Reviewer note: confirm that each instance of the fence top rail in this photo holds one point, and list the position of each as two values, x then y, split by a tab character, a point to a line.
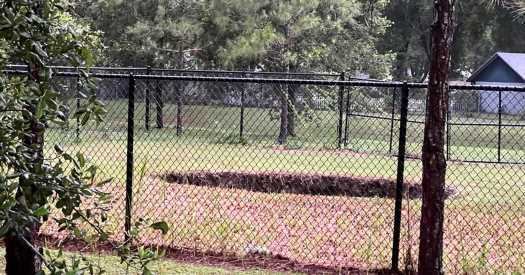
149	70
345	83
366	83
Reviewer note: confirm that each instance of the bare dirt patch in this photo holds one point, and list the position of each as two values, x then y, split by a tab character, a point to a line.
277	230
308	184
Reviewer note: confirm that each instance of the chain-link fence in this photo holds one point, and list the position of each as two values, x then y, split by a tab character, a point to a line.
304	169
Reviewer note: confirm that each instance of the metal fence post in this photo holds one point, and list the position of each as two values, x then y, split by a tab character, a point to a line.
400	176
147	95
129	156
159	105
499	125
241	122
341	112
392	120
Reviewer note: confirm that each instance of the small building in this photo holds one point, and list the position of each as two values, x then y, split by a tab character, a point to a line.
501	69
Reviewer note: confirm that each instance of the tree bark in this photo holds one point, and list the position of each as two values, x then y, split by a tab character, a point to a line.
291	110
20	258
285	118
159	103
283	129
179	93
434	162
179	109
400	71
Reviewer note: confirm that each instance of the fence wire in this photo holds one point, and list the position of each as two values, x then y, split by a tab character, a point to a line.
282	168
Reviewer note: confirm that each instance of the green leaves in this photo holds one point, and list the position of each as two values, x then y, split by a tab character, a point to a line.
7	203
140	256
4	229
37	46
162	226
81	159
41	106
90	109
59	149
40	212
39	33
87	56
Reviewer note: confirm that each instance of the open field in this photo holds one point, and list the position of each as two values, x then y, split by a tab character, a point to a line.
484	220
474	139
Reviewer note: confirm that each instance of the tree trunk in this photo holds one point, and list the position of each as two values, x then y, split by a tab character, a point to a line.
179	110
400	71
283	129
159	106
434	163
286	118
20	258
179	92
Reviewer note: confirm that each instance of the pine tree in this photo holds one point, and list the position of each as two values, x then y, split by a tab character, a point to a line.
299	35
433	158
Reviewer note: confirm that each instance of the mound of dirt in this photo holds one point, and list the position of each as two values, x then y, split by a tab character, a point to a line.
308	184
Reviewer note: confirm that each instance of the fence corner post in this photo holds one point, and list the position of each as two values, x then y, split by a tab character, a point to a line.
400	176
129	156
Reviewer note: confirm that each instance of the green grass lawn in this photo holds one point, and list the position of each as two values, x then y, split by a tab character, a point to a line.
484	220
112	265
319	130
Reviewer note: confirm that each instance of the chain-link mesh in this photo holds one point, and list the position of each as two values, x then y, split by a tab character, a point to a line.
484	217
274	167
257	168
103	144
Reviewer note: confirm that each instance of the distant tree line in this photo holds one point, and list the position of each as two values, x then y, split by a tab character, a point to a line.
379	38
382	38
268	35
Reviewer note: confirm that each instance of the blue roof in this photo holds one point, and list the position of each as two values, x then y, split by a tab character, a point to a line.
516	61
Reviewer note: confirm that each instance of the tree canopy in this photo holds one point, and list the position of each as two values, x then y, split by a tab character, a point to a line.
320	35
382	38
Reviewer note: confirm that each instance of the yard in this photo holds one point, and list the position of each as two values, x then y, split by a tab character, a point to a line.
484	217
264	137
112	265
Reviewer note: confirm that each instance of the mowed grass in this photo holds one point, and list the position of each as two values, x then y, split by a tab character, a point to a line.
319	129
112	265
484	219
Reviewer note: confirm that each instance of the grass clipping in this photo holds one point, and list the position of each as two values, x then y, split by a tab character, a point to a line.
307	184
